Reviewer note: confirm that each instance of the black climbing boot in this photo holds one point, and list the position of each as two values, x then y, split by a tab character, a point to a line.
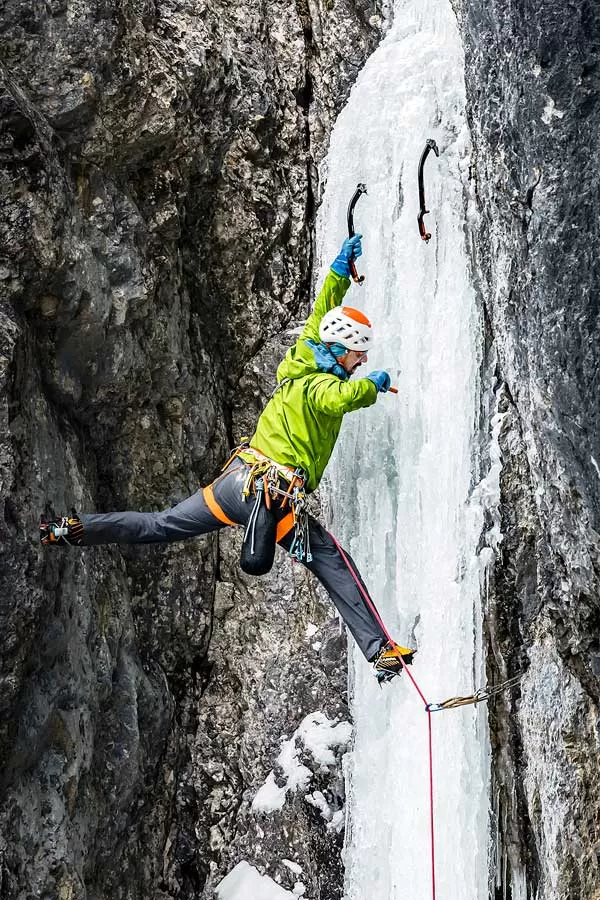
388	662
66	531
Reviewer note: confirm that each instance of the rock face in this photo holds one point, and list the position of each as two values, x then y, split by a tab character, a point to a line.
533	84
159	176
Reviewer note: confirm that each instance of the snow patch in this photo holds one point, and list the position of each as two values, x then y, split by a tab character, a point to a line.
320	736
292	866
335	818
244	882
318	800
551	112
338	821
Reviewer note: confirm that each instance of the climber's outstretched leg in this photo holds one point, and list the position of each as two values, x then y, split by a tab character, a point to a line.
211	508
339	577
337	571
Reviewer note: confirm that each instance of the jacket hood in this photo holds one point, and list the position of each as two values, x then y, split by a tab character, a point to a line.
300	360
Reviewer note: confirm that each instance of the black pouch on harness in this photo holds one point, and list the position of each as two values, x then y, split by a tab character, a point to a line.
260	537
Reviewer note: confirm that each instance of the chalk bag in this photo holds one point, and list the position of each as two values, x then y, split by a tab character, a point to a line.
260	536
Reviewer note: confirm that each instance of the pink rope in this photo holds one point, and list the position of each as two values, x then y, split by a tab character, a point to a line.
373	609
368	600
431	817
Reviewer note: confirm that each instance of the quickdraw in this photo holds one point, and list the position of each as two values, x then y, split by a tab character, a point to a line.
479	696
300	546
360	189
430	145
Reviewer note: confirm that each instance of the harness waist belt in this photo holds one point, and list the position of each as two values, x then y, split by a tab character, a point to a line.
285	471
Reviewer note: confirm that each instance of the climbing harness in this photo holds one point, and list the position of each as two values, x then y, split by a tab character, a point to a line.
269	481
429	145
360	189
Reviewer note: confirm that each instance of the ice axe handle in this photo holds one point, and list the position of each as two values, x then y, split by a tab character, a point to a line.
356	278
393	390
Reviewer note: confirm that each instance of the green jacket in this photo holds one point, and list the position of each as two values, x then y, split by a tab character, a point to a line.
301	422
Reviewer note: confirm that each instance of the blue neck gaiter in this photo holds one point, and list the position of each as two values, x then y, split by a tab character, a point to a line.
325	358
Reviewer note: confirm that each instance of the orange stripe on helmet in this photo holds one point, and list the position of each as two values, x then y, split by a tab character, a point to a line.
356	315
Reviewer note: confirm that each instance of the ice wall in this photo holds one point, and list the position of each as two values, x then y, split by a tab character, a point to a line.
402	487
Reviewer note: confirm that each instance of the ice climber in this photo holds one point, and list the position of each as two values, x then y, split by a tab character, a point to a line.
264	484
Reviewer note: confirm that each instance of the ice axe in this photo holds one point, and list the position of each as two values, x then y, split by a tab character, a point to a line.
360	189
358	279
429	145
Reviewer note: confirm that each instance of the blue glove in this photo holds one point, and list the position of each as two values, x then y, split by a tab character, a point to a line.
326	361
380	379
351	249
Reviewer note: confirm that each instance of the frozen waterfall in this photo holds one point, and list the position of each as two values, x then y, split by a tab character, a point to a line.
401	485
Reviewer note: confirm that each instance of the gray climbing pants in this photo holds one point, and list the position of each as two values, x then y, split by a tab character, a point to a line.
221	504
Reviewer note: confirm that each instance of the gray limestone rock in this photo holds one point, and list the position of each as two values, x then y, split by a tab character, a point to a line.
534	106
158	169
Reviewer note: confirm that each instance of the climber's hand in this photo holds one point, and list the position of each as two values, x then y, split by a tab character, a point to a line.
351	249
381	380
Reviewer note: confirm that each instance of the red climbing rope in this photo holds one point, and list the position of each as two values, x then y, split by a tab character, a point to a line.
361	587
373	609
431	822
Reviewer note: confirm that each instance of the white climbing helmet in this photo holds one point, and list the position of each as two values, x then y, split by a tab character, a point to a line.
347	326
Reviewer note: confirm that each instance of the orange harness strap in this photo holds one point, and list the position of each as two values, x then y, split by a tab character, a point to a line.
284	526
209	499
